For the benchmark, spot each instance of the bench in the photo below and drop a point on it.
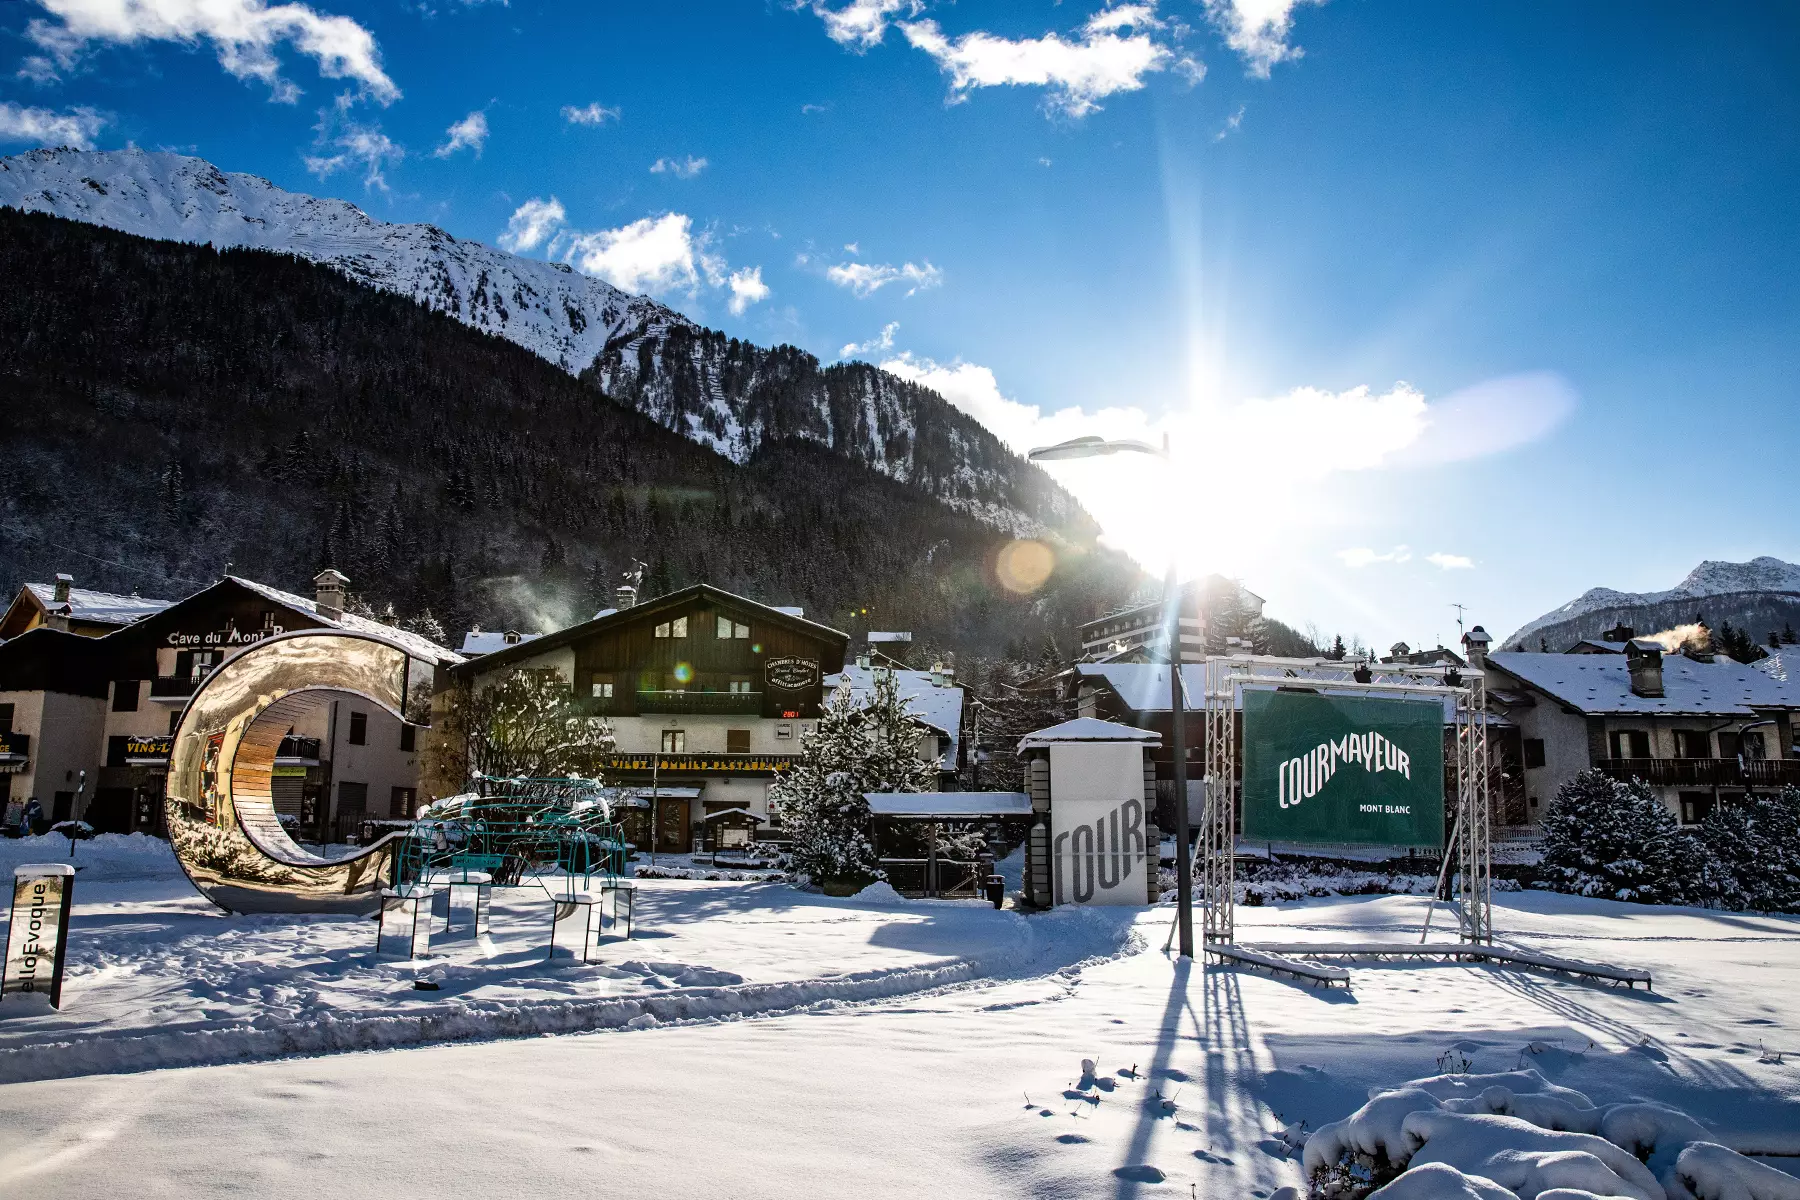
(464, 889)
(1313, 972)
(574, 917)
(1462, 952)
(405, 929)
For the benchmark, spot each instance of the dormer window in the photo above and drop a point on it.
(673, 629)
(728, 628)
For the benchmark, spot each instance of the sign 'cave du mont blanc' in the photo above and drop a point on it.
(1354, 769)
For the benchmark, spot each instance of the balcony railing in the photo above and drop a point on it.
(701, 703)
(1704, 772)
(172, 686)
(298, 750)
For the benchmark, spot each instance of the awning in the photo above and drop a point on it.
(949, 805)
(731, 812)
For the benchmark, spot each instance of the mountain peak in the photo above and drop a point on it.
(1713, 577)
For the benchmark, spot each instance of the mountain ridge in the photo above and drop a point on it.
(726, 394)
(1764, 576)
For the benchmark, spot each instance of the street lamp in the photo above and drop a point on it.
(1098, 447)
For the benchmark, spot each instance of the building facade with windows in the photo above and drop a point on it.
(1697, 731)
(90, 719)
(62, 605)
(708, 695)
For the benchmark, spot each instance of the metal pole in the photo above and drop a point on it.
(1184, 864)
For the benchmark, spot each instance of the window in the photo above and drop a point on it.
(1748, 745)
(674, 741)
(202, 664)
(740, 685)
(603, 689)
(115, 751)
(401, 801)
(1534, 752)
(174, 720)
(268, 618)
(1630, 743)
(1695, 807)
(6, 718)
(359, 729)
(732, 629)
(737, 741)
(125, 695)
(1693, 743)
(672, 629)
(409, 736)
(353, 800)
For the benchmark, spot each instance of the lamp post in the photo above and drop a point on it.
(1097, 447)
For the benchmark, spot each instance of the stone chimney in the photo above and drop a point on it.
(63, 584)
(1644, 660)
(1475, 646)
(624, 596)
(328, 594)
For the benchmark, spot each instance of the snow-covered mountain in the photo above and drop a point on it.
(1763, 576)
(727, 395)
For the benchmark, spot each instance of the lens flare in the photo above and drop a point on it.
(684, 672)
(1023, 566)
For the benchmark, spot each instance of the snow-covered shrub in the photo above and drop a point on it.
(1614, 839)
(856, 748)
(1752, 847)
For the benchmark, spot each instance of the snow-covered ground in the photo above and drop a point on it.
(971, 1083)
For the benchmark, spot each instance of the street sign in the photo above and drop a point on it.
(1355, 769)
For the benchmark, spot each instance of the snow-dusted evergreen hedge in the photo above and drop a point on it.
(1615, 840)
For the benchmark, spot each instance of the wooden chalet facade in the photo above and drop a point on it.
(708, 694)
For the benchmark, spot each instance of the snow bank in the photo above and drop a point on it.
(1516, 1136)
(111, 857)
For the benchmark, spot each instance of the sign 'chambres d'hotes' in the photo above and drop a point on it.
(1356, 769)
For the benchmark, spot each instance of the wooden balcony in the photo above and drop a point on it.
(1704, 772)
(172, 687)
(716, 704)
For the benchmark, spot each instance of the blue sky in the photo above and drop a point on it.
(1478, 303)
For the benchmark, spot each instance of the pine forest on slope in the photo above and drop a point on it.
(185, 407)
(726, 394)
(1760, 597)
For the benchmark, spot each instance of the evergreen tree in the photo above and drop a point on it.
(857, 748)
(1612, 839)
(1337, 651)
(1753, 847)
(527, 724)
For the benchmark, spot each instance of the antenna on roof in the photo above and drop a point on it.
(1459, 619)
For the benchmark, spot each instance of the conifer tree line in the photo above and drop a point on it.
(1615, 840)
(185, 408)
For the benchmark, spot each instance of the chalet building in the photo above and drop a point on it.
(62, 605)
(1697, 730)
(932, 697)
(88, 720)
(1134, 633)
(708, 695)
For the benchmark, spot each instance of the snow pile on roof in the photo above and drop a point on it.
(1515, 1135)
(938, 705)
(419, 647)
(85, 604)
(1601, 683)
(1783, 665)
(1144, 687)
(477, 642)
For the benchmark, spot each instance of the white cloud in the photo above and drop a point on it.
(652, 254)
(589, 114)
(244, 34)
(747, 288)
(1257, 29)
(356, 144)
(37, 69)
(532, 224)
(78, 127)
(1231, 125)
(865, 279)
(875, 345)
(1361, 556)
(851, 248)
(470, 133)
(1078, 73)
(1451, 562)
(861, 23)
(681, 168)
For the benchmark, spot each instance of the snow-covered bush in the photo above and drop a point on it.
(856, 748)
(1513, 1135)
(1752, 847)
(1614, 839)
(526, 724)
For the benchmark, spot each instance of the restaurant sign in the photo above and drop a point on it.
(231, 635)
(704, 764)
(150, 751)
(791, 674)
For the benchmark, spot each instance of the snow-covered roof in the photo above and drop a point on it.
(736, 810)
(938, 705)
(948, 804)
(418, 647)
(1601, 683)
(1783, 665)
(102, 608)
(1144, 687)
(478, 641)
(1089, 729)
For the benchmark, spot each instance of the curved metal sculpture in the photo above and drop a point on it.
(220, 806)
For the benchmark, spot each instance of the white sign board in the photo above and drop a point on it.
(39, 933)
(1097, 823)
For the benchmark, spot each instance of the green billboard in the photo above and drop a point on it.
(1354, 769)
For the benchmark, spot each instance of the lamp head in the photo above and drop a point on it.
(1093, 447)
